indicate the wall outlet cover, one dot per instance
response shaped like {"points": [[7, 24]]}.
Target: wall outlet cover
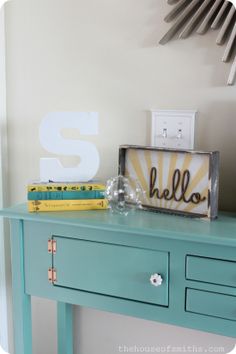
{"points": [[173, 128]]}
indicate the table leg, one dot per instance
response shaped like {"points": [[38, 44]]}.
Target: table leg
{"points": [[65, 328], [21, 301]]}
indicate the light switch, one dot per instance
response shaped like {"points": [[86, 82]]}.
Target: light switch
{"points": [[173, 129]]}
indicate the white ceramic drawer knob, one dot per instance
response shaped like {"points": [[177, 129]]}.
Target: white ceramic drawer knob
{"points": [[156, 279]]}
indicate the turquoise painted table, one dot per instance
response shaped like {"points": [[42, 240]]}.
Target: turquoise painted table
{"points": [[154, 266]]}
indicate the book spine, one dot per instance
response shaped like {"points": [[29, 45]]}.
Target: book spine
{"points": [[64, 205], [66, 195], [53, 187]]}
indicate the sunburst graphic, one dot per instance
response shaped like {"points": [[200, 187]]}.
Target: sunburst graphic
{"points": [[200, 16], [140, 162]]}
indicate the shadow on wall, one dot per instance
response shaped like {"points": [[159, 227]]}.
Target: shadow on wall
{"points": [[138, 334], [217, 132]]}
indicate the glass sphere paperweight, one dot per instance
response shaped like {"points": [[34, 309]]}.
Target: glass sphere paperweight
{"points": [[124, 194]]}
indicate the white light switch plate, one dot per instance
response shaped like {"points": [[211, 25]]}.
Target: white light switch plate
{"points": [[173, 129]]}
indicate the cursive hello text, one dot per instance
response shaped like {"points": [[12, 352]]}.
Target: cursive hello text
{"points": [[177, 192]]}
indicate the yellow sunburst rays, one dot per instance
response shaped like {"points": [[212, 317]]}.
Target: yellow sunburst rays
{"points": [[130, 173], [146, 173], [172, 167], [160, 159], [186, 163], [139, 164], [155, 159], [201, 174], [134, 158], [149, 165]]}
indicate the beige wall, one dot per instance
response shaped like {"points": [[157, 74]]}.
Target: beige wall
{"points": [[101, 55]]}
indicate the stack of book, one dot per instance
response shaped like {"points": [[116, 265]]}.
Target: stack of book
{"points": [[62, 196]]}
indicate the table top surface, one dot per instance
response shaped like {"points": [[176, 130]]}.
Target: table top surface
{"points": [[219, 231]]}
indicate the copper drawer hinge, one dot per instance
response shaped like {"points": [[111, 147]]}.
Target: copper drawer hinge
{"points": [[52, 246], [52, 275]]}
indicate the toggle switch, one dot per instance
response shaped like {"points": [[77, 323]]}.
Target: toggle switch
{"points": [[173, 129]]}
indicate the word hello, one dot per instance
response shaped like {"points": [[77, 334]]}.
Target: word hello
{"points": [[179, 187]]}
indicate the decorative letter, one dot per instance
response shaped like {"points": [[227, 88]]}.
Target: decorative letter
{"points": [[52, 140]]}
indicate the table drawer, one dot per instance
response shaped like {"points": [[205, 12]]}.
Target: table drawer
{"points": [[112, 270], [210, 270], [211, 304]]}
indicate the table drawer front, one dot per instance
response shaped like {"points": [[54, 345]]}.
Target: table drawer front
{"points": [[211, 304], [215, 271], [113, 270]]}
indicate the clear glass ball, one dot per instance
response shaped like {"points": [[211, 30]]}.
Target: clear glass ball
{"points": [[123, 194]]}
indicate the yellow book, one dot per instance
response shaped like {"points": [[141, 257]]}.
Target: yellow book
{"points": [[64, 186], [64, 205]]}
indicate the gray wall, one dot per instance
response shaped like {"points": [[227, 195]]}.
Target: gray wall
{"points": [[101, 55]]}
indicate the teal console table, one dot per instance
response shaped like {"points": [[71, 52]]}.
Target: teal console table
{"points": [[159, 267]]}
